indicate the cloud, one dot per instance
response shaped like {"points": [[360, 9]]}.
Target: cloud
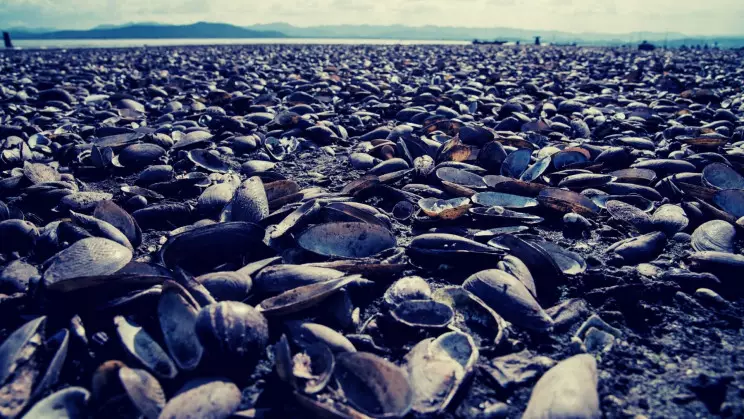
{"points": [[618, 16]]}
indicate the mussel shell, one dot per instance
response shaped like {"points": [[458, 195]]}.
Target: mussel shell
{"points": [[407, 288], [641, 248], [141, 346], [227, 285], [202, 249], [249, 203], [208, 161], [232, 331], [422, 313], [505, 200], [115, 215], [306, 296], [284, 277], [177, 312], [516, 163], [346, 239], [143, 390], [508, 297], [473, 316], [461, 178], [731, 201], [448, 209], [373, 385], [92, 256], [140, 155], [567, 201], [630, 215], [568, 390], [722, 176], [210, 397], [670, 219], [69, 403]]}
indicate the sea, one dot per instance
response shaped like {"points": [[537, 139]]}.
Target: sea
{"points": [[138, 43]]}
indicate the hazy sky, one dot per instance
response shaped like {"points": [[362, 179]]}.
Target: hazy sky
{"points": [[693, 17]]}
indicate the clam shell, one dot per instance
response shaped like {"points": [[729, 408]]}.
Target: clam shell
{"points": [[100, 228], [140, 345], [508, 297], [93, 256], [374, 386], [346, 239], [177, 312], [569, 389], [715, 235]]}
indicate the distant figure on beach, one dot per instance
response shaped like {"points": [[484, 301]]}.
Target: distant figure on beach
{"points": [[537, 40], [6, 38], [646, 46]]}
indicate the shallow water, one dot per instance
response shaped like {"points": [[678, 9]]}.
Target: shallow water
{"points": [[132, 43]]}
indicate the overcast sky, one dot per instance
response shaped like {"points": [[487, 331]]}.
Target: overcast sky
{"points": [[692, 17]]}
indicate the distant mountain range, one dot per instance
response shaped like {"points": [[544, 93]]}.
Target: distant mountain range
{"points": [[282, 30], [152, 30]]}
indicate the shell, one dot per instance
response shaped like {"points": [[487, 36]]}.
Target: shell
{"points": [[569, 389], [448, 209], [140, 345], [303, 297], [70, 403], [177, 312], [715, 235], [143, 390], [232, 331], [670, 219], [491, 199], [210, 397], [346, 239], [473, 317], [422, 313], [509, 298], [249, 203], [567, 201], [407, 288], [374, 386], [93, 256], [280, 278]]}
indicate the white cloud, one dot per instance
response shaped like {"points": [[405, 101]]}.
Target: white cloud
{"points": [[618, 16]]}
